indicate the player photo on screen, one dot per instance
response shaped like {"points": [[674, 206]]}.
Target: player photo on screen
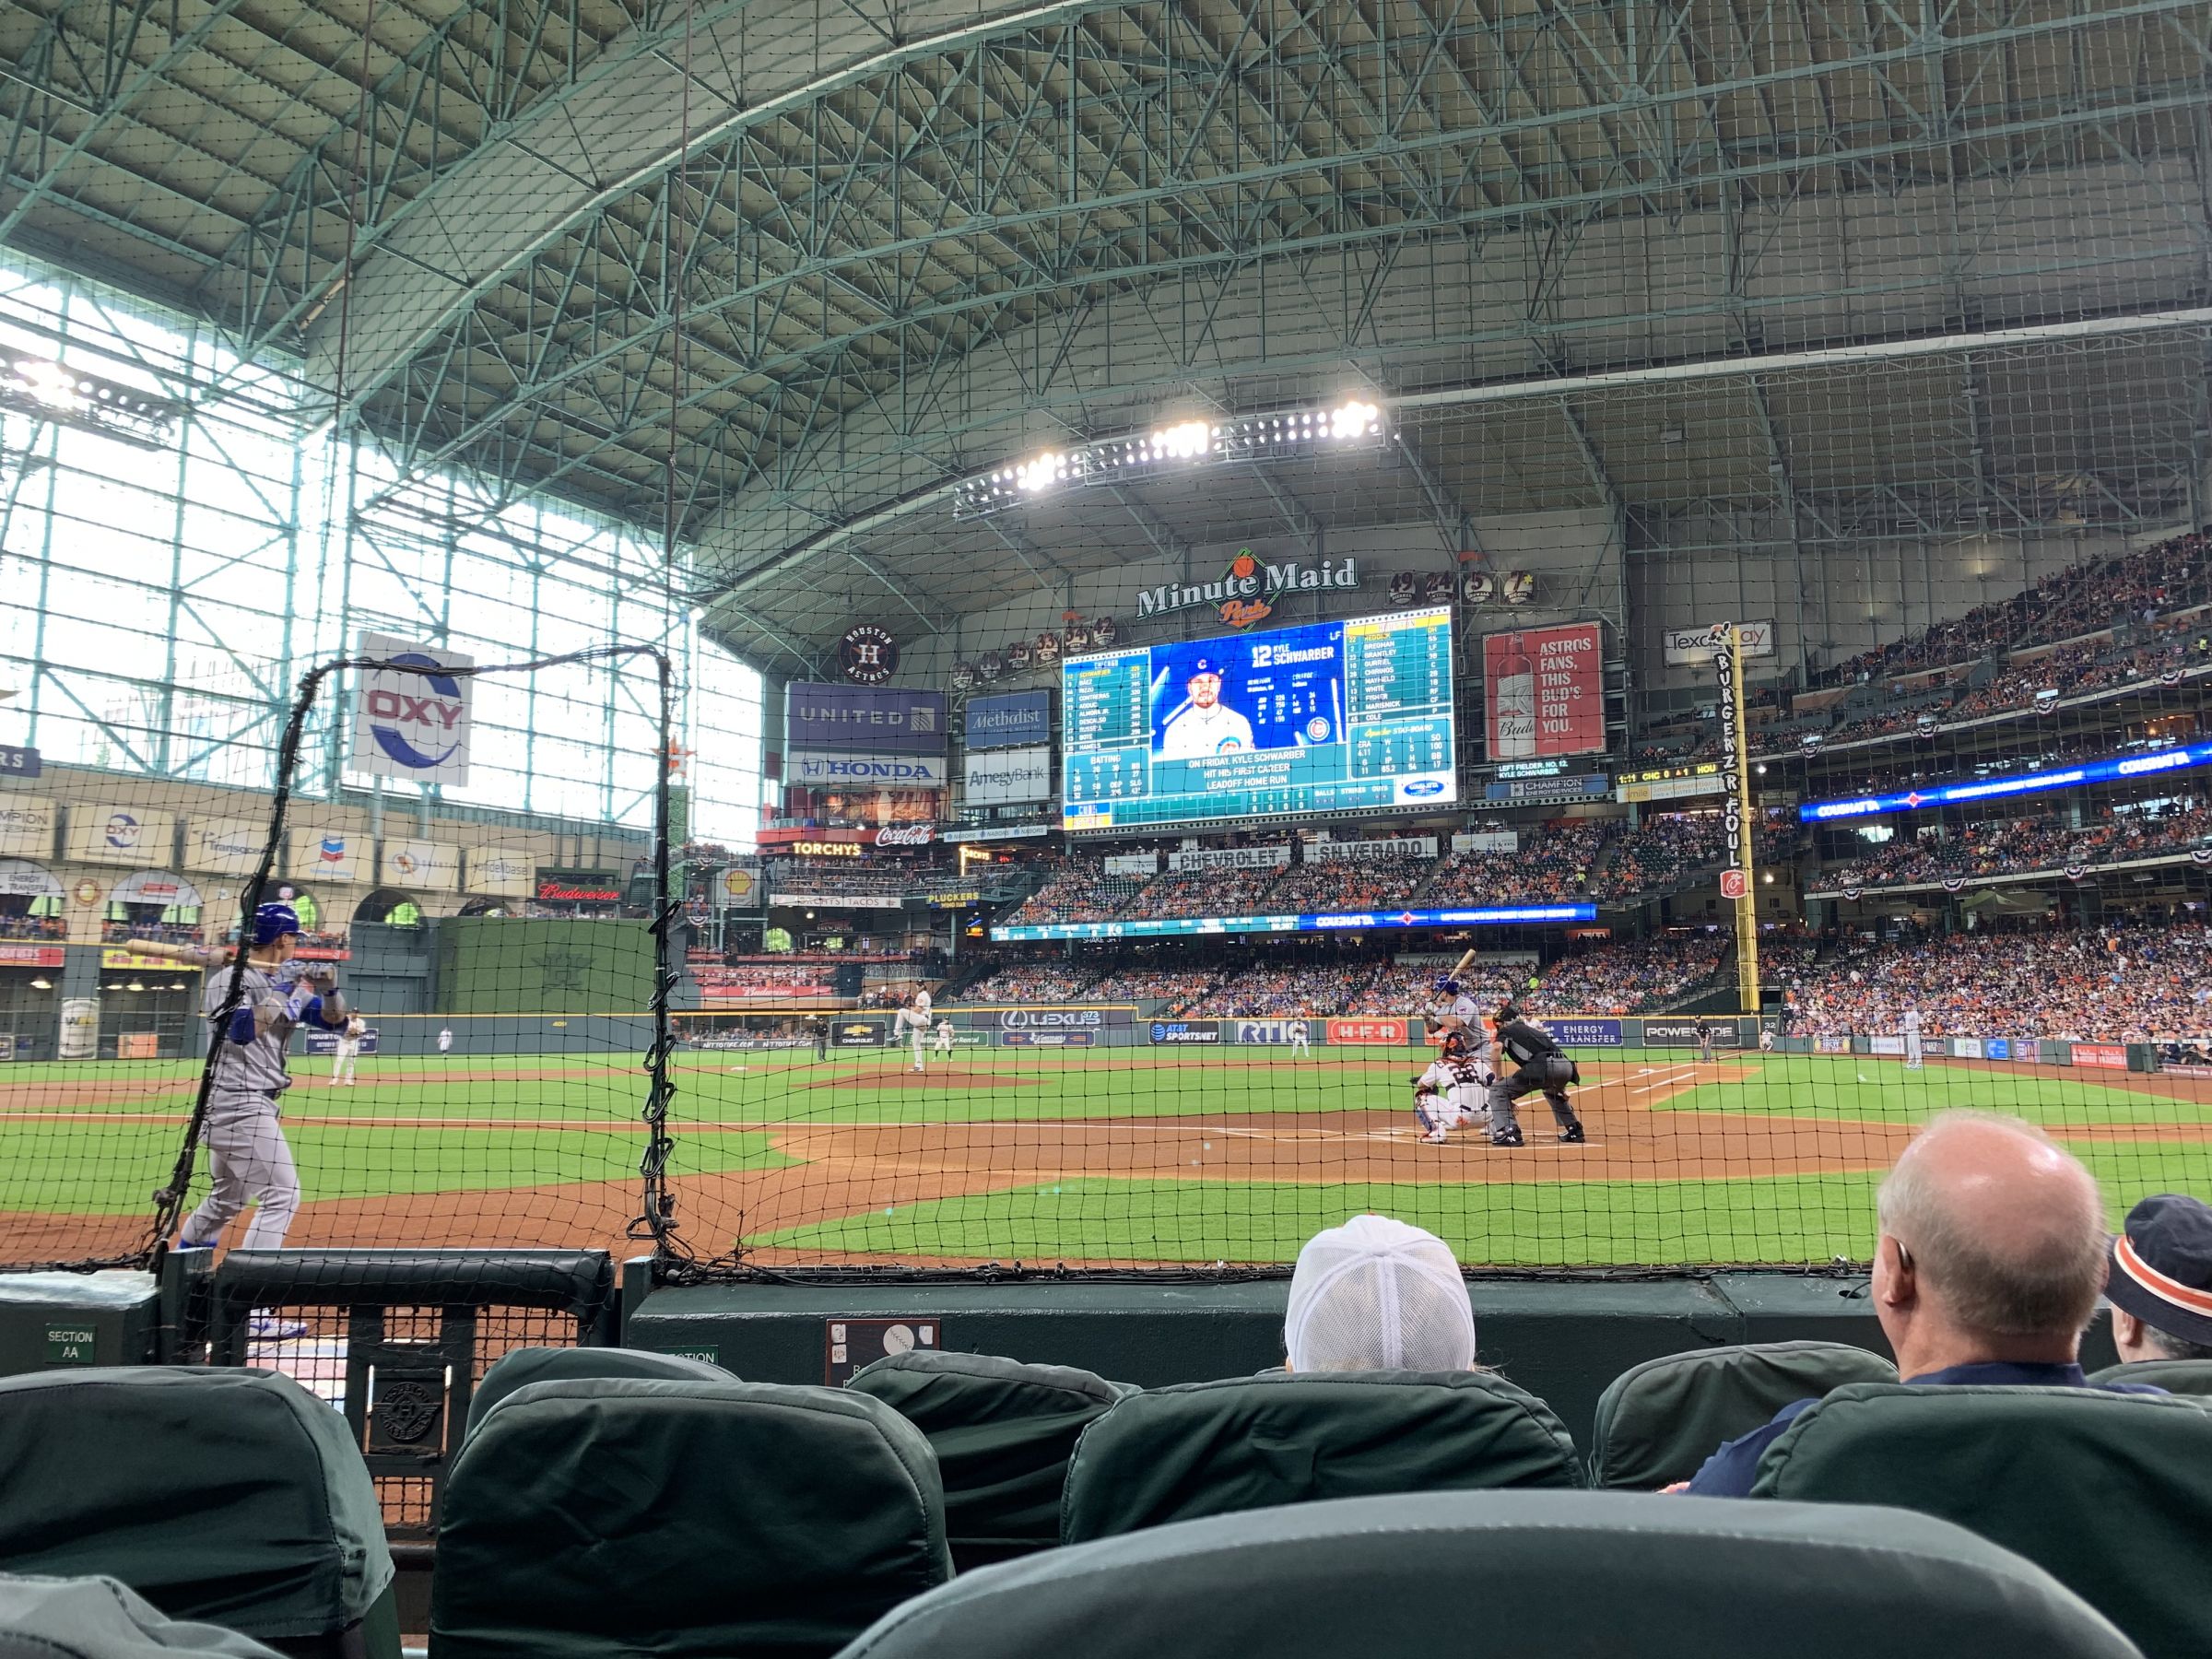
{"points": [[1230, 697]]}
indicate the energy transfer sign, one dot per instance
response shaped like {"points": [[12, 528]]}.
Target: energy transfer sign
{"points": [[412, 725]]}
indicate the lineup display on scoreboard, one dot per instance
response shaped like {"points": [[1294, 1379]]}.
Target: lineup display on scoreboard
{"points": [[1328, 717], [1496, 915]]}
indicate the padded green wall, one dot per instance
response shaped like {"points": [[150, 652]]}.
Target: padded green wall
{"points": [[507, 965]]}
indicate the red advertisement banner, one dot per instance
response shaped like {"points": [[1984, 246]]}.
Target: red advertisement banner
{"points": [[30, 956], [1544, 691], [1391, 1033], [2110, 1056]]}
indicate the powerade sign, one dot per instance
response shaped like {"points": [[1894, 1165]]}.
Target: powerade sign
{"points": [[2185, 758], [1584, 1033], [1683, 1033], [1183, 1031], [864, 719], [1014, 721]]}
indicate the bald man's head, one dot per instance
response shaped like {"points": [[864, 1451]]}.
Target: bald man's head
{"points": [[2006, 1228]]}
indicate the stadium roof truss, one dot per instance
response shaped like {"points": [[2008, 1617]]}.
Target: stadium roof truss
{"points": [[1763, 275]]}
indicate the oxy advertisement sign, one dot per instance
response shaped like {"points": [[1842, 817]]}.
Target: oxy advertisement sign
{"points": [[1371, 1033], [826, 770], [864, 719], [1584, 1033], [1015, 720], [120, 835], [412, 720], [1003, 777], [1183, 1031]]}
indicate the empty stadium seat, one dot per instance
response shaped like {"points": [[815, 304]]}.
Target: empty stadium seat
{"points": [[230, 1496], [1658, 1421], [1208, 1448], [1511, 1575], [1002, 1432], [103, 1618], [2175, 1376], [518, 1368], [2112, 1492], [592, 1518]]}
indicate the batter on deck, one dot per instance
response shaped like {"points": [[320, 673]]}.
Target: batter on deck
{"points": [[1540, 1064]]}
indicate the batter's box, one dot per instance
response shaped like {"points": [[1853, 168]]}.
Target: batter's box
{"points": [[850, 1344]]}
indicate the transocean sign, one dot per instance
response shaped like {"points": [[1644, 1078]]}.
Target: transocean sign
{"points": [[1247, 586]]}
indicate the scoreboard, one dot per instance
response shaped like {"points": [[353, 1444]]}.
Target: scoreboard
{"points": [[1328, 717]]}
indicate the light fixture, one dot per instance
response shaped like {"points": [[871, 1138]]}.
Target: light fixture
{"points": [[136, 986], [42, 984], [53, 390], [1040, 473]]}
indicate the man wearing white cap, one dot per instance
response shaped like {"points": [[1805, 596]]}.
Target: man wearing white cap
{"points": [[1378, 1295]]}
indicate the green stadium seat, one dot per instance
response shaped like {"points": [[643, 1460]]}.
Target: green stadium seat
{"points": [[518, 1368], [2175, 1376], [1657, 1421], [1002, 1432], [1511, 1575], [2111, 1494], [230, 1496], [102, 1619], [596, 1518], [1249, 1442]]}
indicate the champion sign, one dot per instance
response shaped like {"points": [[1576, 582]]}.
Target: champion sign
{"points": [[412, 720]]}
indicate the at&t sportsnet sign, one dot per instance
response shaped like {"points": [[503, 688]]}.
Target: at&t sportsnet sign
{"points": [[412, 720]]}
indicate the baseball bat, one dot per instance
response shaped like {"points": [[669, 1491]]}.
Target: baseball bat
{"points": [[1458, 968], [198, 956]]}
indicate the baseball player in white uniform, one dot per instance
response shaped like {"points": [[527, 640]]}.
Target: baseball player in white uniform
{"points": [[1915, 1054], [1454, 1089], [349, 1053], [1766, 1039], [1299, 1044], [1205, 725], [912, 1022], [942, 1044]]}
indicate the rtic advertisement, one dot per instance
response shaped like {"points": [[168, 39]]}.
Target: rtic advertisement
{"points": [[1373, 1033], [1584, 1033], [1184, 1031], [1274, 1031], [1683, 1033]]}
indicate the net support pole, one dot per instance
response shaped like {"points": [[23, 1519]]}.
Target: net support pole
{"points": [[1739, 878]]}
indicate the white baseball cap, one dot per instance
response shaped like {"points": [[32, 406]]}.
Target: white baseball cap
{"points": [[1378, 1295]]}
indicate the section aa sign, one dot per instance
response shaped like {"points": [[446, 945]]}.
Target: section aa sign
{"points": [[412, 725], [1544, 690]]}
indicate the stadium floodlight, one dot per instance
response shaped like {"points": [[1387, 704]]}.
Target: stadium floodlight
{"points": [[49, 390], [1186, 440], [1040, 473], [1355, 419]]}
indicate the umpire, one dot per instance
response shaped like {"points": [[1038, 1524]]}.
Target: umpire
{"points": [[1540, 1064]]}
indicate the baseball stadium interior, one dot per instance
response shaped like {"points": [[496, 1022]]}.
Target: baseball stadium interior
{"points": [[905, 792]]}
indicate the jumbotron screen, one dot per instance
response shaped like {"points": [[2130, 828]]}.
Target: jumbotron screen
{"points": [[1329, 717]]}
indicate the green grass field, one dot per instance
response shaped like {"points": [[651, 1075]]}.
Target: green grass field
{"points": [[1127, 1155]]}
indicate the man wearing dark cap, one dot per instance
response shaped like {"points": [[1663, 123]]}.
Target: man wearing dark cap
{"points": [[2159, 1282], [1204, 724]]}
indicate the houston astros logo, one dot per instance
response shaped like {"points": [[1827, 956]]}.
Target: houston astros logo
{"points": [[868, 655], [407, 727]]}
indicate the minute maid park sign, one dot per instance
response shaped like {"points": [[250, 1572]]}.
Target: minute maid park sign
{"points": [[1247, 588]]}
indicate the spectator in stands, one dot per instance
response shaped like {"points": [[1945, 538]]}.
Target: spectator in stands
{"points": [[1378, 1295], [1987, 1266], [2160, 1281]]}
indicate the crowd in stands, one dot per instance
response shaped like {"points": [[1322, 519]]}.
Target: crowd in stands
{"points": [[798, 979], [1205, 893], [1632, 976], [1177, 987], [2006, 846], [1661, 852], [1552, 863], [1081, 892], [2147, 982], [1342, 884], [168, 933], [1030, 982], [1277, 989], [33, 927], [2090, 596]]}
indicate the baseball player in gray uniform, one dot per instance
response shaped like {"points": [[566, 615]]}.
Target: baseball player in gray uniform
{"points": [[248, 1158]]}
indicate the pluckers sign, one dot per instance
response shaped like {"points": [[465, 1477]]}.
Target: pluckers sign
{"points": [[1247, 588]]}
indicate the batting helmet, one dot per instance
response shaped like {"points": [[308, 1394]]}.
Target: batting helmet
{"points": [[272, 921], [1448, 985]]}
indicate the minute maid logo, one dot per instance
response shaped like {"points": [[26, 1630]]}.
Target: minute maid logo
{"points": [[1247, 586]]}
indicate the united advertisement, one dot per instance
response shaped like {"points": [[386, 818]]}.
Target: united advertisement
{"points": [[1544, 691], [864, 719]]}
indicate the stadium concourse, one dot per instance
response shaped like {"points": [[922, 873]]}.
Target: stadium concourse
{"points": [[983, 713]]}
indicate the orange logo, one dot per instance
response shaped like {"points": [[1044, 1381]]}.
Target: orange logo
{"points": [[1243, 613], [1244, 564]]}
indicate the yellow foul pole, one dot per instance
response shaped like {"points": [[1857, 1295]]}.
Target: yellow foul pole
{"points": [[1739, 877]]}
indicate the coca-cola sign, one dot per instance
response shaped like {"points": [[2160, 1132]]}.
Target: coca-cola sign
{"points": [[906, 835]]}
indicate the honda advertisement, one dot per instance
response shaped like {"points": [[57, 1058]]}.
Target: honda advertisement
{"points": [[813, 769]]}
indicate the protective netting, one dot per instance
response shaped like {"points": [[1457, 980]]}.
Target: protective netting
{"points": [[1206, 549]]}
